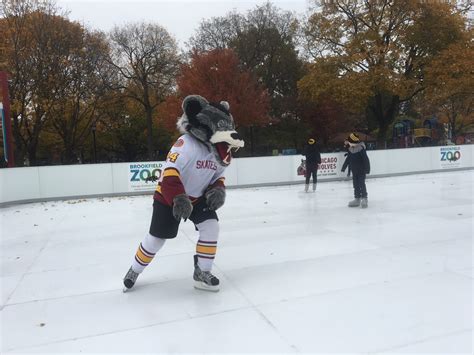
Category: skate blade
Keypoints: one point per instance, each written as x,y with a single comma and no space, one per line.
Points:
202,286
125,289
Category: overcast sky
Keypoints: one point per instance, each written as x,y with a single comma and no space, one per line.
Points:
180,17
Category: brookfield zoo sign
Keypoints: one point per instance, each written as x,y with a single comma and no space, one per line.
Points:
139,174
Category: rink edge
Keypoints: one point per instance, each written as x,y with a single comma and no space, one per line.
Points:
283,183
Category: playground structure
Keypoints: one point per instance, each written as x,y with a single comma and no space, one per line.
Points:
403,134
433,132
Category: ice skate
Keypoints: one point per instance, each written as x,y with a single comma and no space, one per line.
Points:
364,203
354,203
129,279
314,187
306,187
204,280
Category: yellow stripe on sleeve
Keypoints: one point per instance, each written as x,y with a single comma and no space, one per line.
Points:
171,172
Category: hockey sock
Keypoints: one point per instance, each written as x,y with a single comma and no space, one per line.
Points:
207,244
146,251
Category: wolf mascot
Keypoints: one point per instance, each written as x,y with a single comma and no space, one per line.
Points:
192,186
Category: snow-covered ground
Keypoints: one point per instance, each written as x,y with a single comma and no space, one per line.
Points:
300,272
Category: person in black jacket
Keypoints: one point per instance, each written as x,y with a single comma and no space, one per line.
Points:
313,159
360,166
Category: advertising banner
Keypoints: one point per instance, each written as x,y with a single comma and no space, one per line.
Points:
140,175
450,157
329,165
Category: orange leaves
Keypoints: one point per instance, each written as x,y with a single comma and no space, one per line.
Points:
217,76
325,79
450,82
168,112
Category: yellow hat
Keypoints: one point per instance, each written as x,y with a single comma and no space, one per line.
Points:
353,138
311,141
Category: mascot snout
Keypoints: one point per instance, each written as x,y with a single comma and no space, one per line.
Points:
226,142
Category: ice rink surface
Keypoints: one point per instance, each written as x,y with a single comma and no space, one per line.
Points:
300,273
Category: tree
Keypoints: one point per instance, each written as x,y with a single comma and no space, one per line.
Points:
123,129
146,58
264,41
85,76
372,54
30,43
217,33
168,113
325,119
450,87
59,74
217,76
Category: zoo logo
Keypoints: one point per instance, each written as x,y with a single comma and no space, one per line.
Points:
145,172
450,156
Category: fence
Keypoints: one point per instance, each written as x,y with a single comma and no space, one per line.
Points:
89,180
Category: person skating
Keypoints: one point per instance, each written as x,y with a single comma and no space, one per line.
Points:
313,159
191,186
359,163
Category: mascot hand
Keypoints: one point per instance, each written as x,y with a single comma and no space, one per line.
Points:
215,198
182,207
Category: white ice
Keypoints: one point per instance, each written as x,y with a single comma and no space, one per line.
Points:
300,272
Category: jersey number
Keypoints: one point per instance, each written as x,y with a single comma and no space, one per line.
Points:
172,157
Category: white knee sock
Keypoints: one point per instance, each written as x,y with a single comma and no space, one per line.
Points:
146,251
207,244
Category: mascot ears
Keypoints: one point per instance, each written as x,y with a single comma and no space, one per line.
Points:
193,104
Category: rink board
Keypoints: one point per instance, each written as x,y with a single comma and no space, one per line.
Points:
30,184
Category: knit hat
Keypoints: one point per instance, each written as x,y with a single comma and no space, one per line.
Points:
311,141
353,138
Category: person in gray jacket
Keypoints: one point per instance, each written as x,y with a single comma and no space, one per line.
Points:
359,163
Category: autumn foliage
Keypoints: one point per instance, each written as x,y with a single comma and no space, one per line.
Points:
217,76
81,95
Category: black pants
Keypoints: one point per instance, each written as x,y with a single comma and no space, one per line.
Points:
360,191
313,172
165,226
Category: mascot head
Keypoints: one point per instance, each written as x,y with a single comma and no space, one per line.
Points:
212,124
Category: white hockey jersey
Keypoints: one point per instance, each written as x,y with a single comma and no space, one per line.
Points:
190,167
